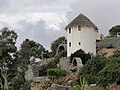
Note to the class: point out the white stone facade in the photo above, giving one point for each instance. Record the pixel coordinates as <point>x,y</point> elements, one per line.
<point>82,34</point>
<point>84,39</point>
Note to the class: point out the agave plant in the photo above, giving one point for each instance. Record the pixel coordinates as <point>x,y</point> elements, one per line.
<point>82,85</point>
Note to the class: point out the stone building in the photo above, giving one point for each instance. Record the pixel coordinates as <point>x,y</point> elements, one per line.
<point>82,34</point>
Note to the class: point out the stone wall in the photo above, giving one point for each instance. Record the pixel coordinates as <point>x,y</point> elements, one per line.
<point>109,42</point>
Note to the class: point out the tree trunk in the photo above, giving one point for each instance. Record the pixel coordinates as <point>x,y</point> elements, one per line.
<point>5,86</point>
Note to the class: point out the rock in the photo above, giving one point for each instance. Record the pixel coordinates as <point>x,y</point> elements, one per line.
<point>59,87</point>
<point>29,73</point>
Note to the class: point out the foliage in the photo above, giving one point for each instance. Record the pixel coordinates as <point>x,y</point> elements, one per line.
<point>102,71</point>
<point>18,83</point>
<point>110,73</point>
<point>91,69</point>
<point>51,65</point>
<point>30,48</point>
<point>116,55</point>
<point>81,54</point>
<point>82,85</point>
<point>8,63</point>
<point>114,30</point>
<point>57,72</point>
<point>28,52</point>
<point>60,55</point>
<point>47,54</point>
<point>56,43</point>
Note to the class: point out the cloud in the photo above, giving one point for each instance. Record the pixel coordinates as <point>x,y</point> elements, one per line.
<point>34,19</point>
<point>104,13</point>
<point>4,4</point>
<point>39,31</point>
<point>27,6</point>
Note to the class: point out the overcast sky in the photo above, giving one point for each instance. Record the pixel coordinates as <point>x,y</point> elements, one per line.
<point>44,20</point>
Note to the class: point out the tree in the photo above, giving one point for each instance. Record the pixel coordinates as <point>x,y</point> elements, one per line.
<point>81,54</point>
<point>56,43</point>
<point>113,31</point>
<point>28,52</point>
<point>8,51</point>
<point>91,69</point>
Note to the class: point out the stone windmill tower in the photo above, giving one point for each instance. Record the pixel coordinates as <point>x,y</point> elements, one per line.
<point>81,34</point>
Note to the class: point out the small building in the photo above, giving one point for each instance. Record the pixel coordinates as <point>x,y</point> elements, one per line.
<point>81,34</point>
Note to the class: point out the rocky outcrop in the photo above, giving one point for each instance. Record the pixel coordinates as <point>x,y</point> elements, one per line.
<point>59,87</point>
<point>109,42</point>
<point>64,63</point>
<point>29,73</point>
<point>108,52</point>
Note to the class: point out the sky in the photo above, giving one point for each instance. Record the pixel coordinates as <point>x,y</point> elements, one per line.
<point>44,20</point>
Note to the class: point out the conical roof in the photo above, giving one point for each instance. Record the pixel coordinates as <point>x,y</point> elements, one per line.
<point>81,20</point>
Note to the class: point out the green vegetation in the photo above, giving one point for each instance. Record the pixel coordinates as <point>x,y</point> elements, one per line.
<point>60,55</point>
<point>56,73</point>
<point>110,73</point>
<point>92,67</point>
<point>56,43</point>
<point>82,85</point>
<point>102,71</point>
<point>14,63</point>
<point>81,54</point>
<point>8,61</point>
<point>51,65</point>
<point>113,31</point>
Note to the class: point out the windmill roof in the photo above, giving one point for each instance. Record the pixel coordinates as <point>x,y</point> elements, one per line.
<point>81,20</point>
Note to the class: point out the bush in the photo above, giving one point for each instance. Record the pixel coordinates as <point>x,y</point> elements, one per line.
<point>57,72</point>
<point>116,55</point>
<point>110,73</point>
<point>91,69</point>
<point>81,54</point>
<point>51,65</point>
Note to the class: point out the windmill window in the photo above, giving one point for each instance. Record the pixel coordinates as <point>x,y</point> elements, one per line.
<point>79,43</point>
<point>69,44</point>
<point>69,30</point>
<point>79,28</point>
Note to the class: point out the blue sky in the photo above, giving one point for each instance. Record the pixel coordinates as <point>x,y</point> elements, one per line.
<point>38,19</point>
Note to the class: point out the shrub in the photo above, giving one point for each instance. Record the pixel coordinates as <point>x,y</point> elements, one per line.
<point>81,54</point>
<point>116,55</point>
<point>110,73</point>
<point>91,69</point>
<point>57,72</point>
<point>82,85</point>
<point>51,64</point>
